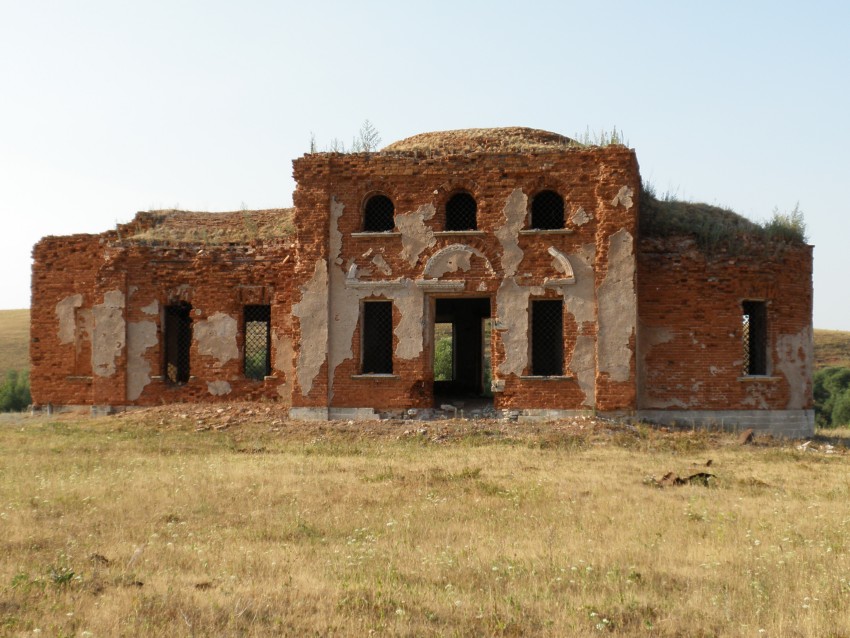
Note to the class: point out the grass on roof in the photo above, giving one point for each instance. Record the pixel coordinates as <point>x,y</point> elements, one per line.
<point>714,227</point>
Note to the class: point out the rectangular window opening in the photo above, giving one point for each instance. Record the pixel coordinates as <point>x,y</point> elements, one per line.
<point>178,341</point>
<point>257,342</point>
<point>547,337</point>
<point>754,328</point>
<point>444,352</point>
<point>377,339</point>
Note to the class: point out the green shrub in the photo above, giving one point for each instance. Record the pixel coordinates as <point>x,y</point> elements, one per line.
<point>831,387</point>
<point>841,410</point>
<point>443,358</point>
<point>15,391</point>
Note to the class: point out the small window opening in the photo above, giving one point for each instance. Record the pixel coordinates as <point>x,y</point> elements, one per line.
<point>755,338</point>
<point>178,341</point>
<point>257,342</point>
<point>444,352</point>
<point>461,212</point>
<point>377,337</point>
<point>378,214</point>
<point>547,211</point>
<point>547,337</point>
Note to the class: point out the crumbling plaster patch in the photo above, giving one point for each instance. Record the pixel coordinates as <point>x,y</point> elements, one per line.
<point>561,263</point>
<point>218,388</point>
<point>109,336</point>
<point>795,354</point>
<point>382,265</point>
<point>66,316</point>
<point>580,217</point>
<point>583,367</point>
<point>141,335</point>
<point>152,308</point>
<point>512,324</point>
<point>216,337</point>
<point>453,258</point>
<point>514,213</point>
<point>648,338</point>
<point>623,197</point>
<point>415,235</point>
<point>312,312</point>
<point>617,308</point>
<point>579,298</point>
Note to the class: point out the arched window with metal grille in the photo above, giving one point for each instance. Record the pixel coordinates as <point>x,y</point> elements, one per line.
<point>547,211</point>
<point>378,214</point>
<point>461,212</point>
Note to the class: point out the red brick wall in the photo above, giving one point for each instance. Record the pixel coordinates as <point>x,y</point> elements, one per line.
<point>691,325</point>
<point>589,179</point>
<point>212,278</point>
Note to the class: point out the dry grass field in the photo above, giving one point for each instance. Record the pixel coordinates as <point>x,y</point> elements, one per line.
<point>14,340</point>
<point>165,523</point>
<point>832,348</point>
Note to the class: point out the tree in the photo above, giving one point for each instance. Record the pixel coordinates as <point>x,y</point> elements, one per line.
<point>15,392</point>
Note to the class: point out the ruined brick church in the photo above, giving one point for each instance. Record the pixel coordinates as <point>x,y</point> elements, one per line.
<point>532,254</point>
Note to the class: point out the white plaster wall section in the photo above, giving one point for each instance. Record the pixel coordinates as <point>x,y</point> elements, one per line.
<point>617,308</point>
<point>312,312</point>
<point>110,333</point>
<point>623,198</point>
<point>152,308</point>
<point>453,258</point>
<point>514,213</point>
<point>218,388</point>
<point>561,264</point>
<point>344,311</point>
<point>216,337</point>
<point>66,316</point>
<point>382,265</point>
<point>795,354</point>
<point>512,324</point>
<point>583,367</point>
<point>415,235</point>
<point>580,217</point>
<point>141,335</point>
<point>410,302</point>
<point>580,298</point>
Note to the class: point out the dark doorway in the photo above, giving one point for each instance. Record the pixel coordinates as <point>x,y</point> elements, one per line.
<point>461,349</point>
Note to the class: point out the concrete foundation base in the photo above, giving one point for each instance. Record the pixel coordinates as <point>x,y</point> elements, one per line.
<point>788,423</point>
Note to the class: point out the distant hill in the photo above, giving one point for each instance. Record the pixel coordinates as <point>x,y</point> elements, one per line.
<point>14,340</point>
<point>832,347</point>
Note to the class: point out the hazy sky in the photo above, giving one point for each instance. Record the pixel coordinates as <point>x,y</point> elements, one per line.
<point>110,107</point>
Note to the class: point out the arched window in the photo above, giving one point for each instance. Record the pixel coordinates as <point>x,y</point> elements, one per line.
<point>378,214</point>
<point>547,211</point>
<point>461,212</point>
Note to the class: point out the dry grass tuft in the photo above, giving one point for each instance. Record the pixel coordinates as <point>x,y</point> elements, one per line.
<point>142,526</point>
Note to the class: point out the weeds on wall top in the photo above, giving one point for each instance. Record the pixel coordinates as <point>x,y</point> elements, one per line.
<point>713,227</point>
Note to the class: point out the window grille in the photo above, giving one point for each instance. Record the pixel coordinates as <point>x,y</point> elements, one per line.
<point>378,214</point>
<point>461,212</point>
<point>377,337</point>
<point>178,341</point>
<point>257,341</point>
<point>754,325</point>
<point>547,211</point>
<point>547,337</point>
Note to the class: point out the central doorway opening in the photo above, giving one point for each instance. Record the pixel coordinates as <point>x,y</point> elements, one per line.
<point>462,352</point>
